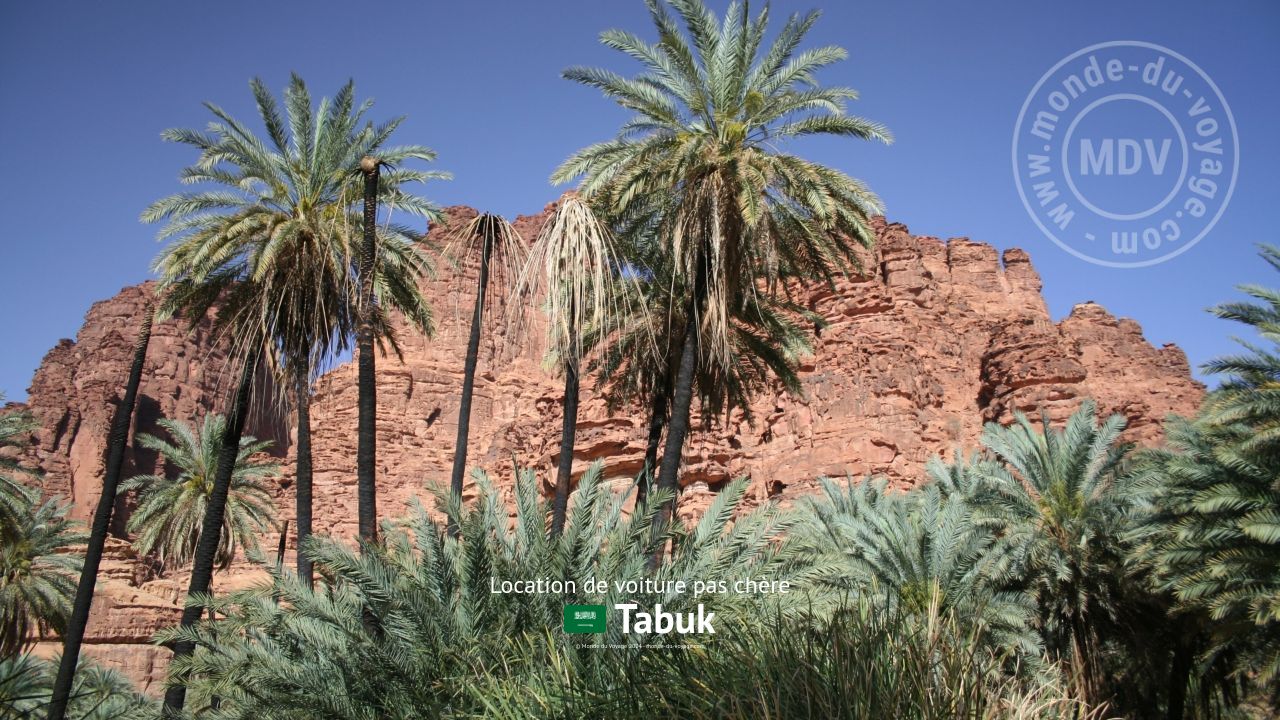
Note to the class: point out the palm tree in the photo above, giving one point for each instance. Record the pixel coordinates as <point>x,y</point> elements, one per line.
<point>37,575</point>
<point>290,202</point>
<point>1234,526</point>
<point>232,252</point>
<point>631,359</point>
<point>1206,529</point>
<point>98,693</point>
<point>210,536</point>
<point>699,163</point>
<point>1209,527</point>
<point>1210,533</point>
<point>79,620</point>
<point>1056,495</point>
<point>171,510</point>
<point>766,345</point>
<point>573,263</point>
<point>1250,391</point>
<point>367,404</point>
<point>494,236</point>
<point>386,278</point>
<point>924,554</point>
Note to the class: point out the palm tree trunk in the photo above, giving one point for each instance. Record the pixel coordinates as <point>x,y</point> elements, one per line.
<point>211,527</point>
<point>79,620</point>
<point>302,389</point>
<point>678,426</point>
<point>284,540</point>
<point>568,435</point>
<point>215,702</point>
<point>682,395</point>
<point>366,435</point>
<point>657,421</point>
<point>469,378</point>
<point>1179,675</point>
<point>1083,661</point>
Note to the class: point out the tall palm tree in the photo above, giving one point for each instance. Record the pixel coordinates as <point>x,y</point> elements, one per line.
<point>386,278</point>
<point>575,265</point>
<point>210,536</point>
<point>494,236</point>
<point>1244,417</point>
<point>630,358</point>
<point>635,367</point>
<point>1056,493</point>
<point>290,201</point>
<point>233,252</point>
<point>171,510</point>
<point>37,574</point>
<point>367,403</point>
<point>73,638</point>
<point>1209,530</point>
<point>699,162</point>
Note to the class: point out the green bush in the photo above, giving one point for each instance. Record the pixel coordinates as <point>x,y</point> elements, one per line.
<point>402,629</point>
<point>854,662</point>
<point>911,552</point>
<point>411,628</point>
<point>26,683</point>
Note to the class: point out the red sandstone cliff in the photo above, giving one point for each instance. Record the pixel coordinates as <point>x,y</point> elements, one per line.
<point>73,397</point>
<point>933,340</point>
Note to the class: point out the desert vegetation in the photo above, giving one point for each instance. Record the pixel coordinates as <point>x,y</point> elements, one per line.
<point>1053,571</point>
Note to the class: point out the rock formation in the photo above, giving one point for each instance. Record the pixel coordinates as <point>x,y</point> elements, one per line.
<point>74,393</point>
<point>73,396</point>
<point>912,356</point>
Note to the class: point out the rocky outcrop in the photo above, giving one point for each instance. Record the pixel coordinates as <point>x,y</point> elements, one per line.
<point>929,341</point>
<point>125,615</point>
<point>74,393</point>
<point>73,397</point>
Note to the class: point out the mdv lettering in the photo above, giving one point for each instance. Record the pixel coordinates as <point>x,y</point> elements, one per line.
<point>661,623</point>
<point>1123,156</point>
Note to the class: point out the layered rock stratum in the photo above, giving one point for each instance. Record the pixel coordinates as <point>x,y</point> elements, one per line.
<point>912,357</point>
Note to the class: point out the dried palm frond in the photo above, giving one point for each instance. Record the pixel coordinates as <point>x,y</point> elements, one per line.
<point>574,266</point>
<point>490,236</point>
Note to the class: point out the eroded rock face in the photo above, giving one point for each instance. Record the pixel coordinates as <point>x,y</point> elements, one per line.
<point>126,614</point>
<point>73,397</point>
<point>932,340</point>
<point>74,393</point>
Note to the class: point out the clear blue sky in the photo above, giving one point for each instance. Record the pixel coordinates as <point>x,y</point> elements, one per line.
<point>86,88</point>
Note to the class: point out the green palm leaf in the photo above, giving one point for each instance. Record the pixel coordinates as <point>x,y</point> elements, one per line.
<point>171,510</point>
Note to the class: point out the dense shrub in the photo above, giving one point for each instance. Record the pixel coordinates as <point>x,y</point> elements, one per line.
<point>26,683</point>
